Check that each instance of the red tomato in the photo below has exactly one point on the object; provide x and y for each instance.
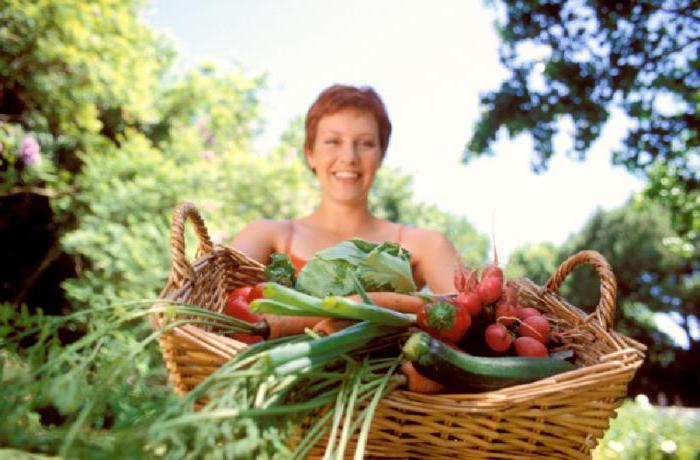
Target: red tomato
(444, 321)
(247, 338)
(238, 308)
(243, 292)
(422, 320)
(256, 292)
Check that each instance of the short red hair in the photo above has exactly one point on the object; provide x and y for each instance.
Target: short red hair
(339, 97)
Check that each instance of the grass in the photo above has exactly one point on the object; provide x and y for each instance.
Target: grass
(644, 431)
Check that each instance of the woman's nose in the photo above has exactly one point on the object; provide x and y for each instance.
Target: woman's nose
(349, 152)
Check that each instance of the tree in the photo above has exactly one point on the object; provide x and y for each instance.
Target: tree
(534, 261)
(651, 279)
(641, 57)
(73, 78)
(98, 143)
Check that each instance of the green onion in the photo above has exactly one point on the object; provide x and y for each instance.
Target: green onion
(278, 308)
(361, 311)
(291, 297)
(307, 363)
(343, 341)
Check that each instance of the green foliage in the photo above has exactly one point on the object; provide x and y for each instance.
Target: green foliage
(641, 57)
(632, 240)
(534, 261)
(67, 67)
(127, 194)
(645, 431)
(94, 128)
(639, 243)
(584, 61)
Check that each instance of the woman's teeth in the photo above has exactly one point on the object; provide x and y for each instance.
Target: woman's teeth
(346, 175)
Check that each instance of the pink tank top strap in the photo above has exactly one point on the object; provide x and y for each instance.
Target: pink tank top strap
(400, 234)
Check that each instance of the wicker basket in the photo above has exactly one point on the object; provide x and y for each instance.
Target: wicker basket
(559, 417)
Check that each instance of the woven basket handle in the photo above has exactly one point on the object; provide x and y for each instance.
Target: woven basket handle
(181, 268)
(605, 311)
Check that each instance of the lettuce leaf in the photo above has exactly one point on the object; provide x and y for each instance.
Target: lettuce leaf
(378, 266)
(280, 270)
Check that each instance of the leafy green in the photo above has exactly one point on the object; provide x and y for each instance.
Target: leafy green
(387, 268)
(280, 270)
(378, 266)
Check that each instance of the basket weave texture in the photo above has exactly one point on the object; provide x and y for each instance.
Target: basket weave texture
(559, 417)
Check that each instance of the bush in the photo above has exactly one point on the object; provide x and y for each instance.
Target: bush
(651, 432)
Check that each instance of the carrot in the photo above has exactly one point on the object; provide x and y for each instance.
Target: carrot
(330, 326)
(404, 303)
(417, 382)
(283, 325)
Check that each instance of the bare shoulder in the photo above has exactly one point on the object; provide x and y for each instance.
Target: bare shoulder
(433, 257)
(424, 240)
(266, 226)
(260, 238)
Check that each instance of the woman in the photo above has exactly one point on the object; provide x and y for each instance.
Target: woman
(347, 134)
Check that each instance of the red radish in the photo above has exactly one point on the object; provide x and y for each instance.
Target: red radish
(470, 302)
(506, 313)
(465, 279)
(490, 288)
(510, 293)
(460, 278)
(535, 326)
(527, 312)
(527, 346)
(497, 337)
(473, 280)
(518, 310)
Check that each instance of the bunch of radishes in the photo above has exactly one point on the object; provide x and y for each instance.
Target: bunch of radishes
(513, 325)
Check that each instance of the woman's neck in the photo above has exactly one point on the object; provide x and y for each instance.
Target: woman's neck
(344, 220)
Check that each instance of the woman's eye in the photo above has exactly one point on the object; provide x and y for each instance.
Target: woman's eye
(332, 141)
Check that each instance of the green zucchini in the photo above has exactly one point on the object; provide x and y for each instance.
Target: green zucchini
(463, 372)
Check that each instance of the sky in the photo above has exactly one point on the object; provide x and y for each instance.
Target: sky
(429, 61)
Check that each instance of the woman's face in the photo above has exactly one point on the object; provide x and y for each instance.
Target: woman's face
(346, 155)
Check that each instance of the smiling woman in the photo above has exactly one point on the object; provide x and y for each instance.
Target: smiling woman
(347, 132)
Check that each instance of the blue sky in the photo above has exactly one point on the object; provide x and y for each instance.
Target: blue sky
(429, 61)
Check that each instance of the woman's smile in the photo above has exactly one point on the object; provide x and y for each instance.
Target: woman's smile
(346, 155)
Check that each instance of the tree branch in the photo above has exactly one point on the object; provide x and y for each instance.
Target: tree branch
(50, 257)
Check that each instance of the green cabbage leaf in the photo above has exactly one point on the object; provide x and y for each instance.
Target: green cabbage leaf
(378, 266)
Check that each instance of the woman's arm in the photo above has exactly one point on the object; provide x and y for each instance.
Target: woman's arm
(257, 239)
(437, 260)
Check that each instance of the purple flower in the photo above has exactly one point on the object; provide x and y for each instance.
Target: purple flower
(30, 151)
(208, 154)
